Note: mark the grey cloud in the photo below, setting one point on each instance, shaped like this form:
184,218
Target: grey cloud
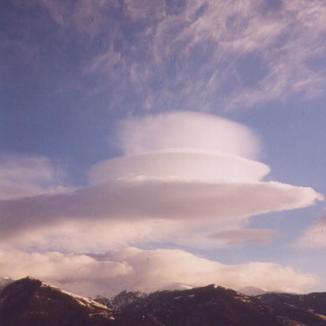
152,199
237,236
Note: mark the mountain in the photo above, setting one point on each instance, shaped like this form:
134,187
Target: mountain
252,291
207,306
212,305
29,302
4,281
309,309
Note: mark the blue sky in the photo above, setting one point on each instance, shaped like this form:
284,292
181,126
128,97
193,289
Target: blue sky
91,89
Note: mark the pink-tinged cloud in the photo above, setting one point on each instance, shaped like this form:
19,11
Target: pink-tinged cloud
186,130
181,165
314,237
170,178
240,236
151,199
28,176
147,270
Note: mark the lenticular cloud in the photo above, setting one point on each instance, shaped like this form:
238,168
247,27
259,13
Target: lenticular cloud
182,178
184,130
186,165
194,174
183,146
197,156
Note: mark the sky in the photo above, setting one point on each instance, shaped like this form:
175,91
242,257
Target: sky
159,144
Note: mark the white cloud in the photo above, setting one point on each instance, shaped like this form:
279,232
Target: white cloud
95,236
147,270
162,268
185,146
62,269
237,236
182,131
175,188
194,54
276,43
92,18
212,54
26,176
183,176
56,9
145,9
182,166
156,200
181,196
314,236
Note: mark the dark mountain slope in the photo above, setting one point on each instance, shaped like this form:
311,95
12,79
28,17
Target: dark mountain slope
308,308
30,302
200,306
4,281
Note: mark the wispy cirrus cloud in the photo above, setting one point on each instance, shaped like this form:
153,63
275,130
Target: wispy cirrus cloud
200,55
208,54
28,176
313,237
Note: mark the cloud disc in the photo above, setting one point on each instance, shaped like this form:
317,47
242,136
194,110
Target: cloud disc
183,166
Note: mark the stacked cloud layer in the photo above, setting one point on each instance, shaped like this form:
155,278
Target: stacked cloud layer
182,178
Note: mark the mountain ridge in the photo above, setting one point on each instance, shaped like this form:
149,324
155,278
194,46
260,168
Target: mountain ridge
30,302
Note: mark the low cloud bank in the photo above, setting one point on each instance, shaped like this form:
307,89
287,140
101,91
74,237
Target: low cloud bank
147,270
